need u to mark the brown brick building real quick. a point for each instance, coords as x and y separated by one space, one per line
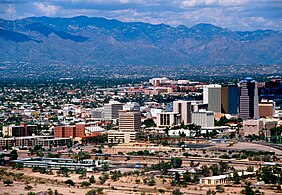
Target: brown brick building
70 131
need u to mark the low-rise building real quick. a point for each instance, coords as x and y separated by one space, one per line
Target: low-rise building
168 119
34 140
121 137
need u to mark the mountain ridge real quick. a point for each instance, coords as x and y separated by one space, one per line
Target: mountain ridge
102 41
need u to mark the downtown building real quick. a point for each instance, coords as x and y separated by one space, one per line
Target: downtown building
212 97
221 98
229 99
184 108
111 110
74 131
168 119
129 126
203 118
249 100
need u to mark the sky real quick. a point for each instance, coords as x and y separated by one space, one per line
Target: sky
232 14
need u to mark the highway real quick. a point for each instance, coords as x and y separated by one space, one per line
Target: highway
189 159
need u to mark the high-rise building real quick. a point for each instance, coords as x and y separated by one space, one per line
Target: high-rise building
212 96
229 99
203 118
184 109
248 98
129 127
111 110
129 121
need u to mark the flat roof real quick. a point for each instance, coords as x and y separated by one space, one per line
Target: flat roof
216 177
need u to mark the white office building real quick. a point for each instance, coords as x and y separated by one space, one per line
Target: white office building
184 109
203 118
168 119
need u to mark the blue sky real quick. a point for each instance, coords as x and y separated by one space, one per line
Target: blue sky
232 14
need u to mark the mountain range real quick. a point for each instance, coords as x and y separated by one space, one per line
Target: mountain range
100 41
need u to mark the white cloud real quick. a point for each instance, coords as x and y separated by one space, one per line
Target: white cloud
48 10
191 3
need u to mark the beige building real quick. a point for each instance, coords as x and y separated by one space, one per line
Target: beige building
129 121
214 180
121 137
257 127
184 108
168 119
129 126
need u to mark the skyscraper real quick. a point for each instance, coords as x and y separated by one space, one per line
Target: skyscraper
129 121
212 96
111 110
184 109
248 98
229 99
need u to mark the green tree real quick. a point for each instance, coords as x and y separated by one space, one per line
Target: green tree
151 182
248 190
91 192
13 155
99 190
176 192
69 182
176 162
7 182
19 165
85 184
236 178
219 188
92 179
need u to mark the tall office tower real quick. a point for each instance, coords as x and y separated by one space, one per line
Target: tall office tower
248 98
212 96
129 121
203 118
111 110
229 99
184 109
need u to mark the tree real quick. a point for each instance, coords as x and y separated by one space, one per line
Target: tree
236 178
91 192
7 182
176 192
92 179
69 182
85 184
99 190
187 177
176 162
151 182
105 166
206 171
13 155
215 169
248 190
219 188
19 165
149 122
